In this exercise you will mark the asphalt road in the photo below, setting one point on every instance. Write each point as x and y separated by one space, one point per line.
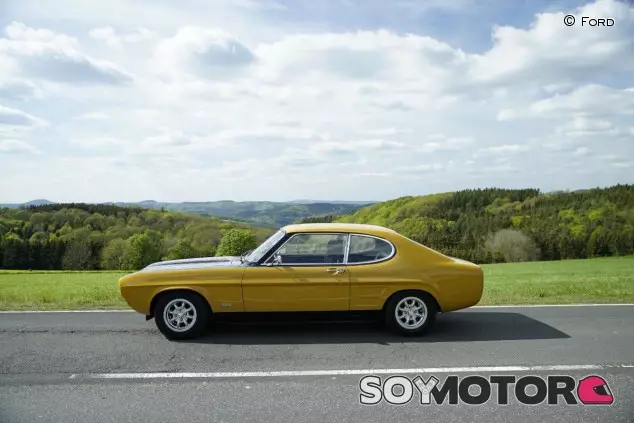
58 367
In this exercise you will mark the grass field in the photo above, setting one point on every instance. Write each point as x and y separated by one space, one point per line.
602 280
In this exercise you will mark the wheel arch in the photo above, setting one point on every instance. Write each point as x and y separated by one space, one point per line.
171 290
419 291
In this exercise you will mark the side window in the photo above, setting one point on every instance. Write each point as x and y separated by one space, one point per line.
366 249
314 249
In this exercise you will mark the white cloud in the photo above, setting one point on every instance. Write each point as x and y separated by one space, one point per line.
110 36
581 151
356 147
19 90
11 146
609 157
167 138
106 34
204 52
625 165
363 56
229 92
271 133
371 175
582 126
504 149
380 144
92 116
550 52
425 168
15 117
592 99
386 132
444 143
98 142
44 54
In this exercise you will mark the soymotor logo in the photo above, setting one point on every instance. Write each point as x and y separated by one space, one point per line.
477 390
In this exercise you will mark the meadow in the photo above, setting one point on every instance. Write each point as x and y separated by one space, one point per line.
599 280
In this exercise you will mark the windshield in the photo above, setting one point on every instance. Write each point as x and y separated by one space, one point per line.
259 252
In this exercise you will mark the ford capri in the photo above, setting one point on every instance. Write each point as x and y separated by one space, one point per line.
318 267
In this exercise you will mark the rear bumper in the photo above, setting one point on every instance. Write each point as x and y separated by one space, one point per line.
136 296
462 291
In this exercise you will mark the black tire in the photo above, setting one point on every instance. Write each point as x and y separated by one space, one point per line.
185 301
395 325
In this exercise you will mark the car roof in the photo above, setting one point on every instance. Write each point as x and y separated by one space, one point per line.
338 227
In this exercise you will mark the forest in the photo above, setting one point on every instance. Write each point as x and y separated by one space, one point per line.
480 225
498 225
108 237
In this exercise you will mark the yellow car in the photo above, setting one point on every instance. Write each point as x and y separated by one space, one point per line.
308 267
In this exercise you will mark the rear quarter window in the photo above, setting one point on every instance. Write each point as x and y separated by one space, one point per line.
366 249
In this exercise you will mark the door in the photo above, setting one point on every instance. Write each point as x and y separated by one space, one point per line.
308 275
372 272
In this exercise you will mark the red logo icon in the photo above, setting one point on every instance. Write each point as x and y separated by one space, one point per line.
594 390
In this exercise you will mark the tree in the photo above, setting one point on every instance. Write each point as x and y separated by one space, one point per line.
512 245
78 256
235 242
113 256
144 250
65 231
182 250
39 237
38 220
14 252
96 221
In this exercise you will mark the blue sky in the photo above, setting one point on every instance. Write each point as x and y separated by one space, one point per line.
339 99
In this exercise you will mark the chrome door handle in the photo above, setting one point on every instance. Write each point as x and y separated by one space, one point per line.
335 271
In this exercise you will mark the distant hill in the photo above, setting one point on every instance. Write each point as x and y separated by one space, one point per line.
28 204
487 225
262 213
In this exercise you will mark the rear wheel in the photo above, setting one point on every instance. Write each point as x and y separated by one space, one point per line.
411 313
181 315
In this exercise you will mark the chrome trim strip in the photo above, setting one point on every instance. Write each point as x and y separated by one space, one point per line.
348 242
392 253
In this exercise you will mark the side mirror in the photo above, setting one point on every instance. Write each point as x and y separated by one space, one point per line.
274 261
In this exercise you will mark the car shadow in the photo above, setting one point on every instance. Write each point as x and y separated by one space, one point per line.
450 327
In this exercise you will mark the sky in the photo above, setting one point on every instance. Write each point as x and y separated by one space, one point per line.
365 100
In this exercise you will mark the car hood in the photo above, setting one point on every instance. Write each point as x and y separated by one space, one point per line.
195 263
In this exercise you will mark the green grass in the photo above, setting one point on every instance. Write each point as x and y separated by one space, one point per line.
603 280
45 290
600 280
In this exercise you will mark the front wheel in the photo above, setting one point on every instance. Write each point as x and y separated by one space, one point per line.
411 313
181 315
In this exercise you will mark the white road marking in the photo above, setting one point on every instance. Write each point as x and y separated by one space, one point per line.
487 306
300 373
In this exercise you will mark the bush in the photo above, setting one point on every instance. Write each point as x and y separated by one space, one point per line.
79 256
512 245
